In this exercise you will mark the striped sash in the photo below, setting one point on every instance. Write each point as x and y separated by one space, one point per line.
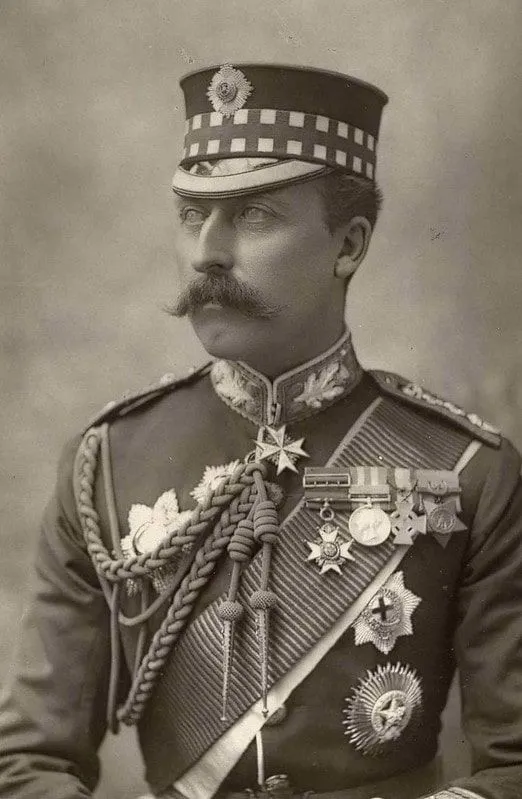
189 694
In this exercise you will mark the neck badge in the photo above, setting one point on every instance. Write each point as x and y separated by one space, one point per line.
381 707
387 616
274 445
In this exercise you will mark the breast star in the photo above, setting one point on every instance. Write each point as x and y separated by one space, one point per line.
280 449
392 714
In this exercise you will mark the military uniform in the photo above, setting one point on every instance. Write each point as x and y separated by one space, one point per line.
275 580
452 598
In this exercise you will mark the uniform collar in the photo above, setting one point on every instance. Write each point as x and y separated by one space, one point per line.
303 391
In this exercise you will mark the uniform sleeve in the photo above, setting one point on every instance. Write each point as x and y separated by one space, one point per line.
52 712
489 636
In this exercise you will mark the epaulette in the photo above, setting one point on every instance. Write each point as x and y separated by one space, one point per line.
412 394
129 402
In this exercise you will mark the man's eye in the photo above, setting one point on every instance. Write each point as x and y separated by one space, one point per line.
193 217
255 214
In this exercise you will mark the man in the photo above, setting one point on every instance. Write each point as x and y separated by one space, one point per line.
273 565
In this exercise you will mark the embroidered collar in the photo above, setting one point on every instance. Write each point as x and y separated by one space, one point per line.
294 395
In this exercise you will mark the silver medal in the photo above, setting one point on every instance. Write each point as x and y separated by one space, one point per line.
369 526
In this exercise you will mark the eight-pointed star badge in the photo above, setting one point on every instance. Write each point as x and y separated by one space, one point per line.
229 90
328 550
387 615
381 706
276 446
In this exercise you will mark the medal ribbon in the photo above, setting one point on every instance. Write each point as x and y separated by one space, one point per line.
185 710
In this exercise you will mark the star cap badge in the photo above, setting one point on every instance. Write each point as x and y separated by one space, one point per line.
387 616
279 448
229 90
381 706
329 553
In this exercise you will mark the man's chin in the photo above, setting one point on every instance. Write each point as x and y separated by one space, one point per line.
226 332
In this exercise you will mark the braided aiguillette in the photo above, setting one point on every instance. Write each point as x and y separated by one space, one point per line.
219 514
240 550
266 528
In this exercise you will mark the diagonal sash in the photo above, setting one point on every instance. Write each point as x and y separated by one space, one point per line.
190 692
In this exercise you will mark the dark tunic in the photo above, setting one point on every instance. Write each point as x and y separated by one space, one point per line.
469 616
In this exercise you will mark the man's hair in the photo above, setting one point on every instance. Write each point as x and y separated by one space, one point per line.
346 196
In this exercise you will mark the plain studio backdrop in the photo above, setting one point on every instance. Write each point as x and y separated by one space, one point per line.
90 132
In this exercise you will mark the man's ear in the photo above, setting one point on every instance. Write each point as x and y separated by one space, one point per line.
357 235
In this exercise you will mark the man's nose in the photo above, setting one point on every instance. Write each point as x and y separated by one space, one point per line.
214 252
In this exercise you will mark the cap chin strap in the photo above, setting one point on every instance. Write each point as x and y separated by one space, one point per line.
270 177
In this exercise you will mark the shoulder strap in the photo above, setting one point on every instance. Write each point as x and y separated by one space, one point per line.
129 402
413 394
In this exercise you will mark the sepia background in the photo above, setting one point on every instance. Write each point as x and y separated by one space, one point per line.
90 132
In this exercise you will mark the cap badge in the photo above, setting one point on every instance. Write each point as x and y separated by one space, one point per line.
229 90
387 616
381 707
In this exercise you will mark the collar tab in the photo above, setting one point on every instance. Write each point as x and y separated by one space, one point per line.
294 395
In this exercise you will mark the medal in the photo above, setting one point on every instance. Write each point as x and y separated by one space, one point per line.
329 550
369 526
279 448
381 706
406 524
387 616
442 520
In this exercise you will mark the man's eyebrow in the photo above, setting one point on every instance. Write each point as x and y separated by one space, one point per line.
269 197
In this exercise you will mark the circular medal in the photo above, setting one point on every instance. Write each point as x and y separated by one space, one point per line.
442 520
369 526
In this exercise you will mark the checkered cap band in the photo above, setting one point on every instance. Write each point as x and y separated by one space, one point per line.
268 132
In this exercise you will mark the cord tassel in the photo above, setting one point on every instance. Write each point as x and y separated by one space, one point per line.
266 528
230 611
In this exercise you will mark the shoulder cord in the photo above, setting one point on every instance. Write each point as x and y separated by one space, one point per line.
232 500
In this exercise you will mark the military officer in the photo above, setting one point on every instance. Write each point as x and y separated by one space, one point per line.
274 565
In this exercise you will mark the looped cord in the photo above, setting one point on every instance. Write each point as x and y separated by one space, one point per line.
227 511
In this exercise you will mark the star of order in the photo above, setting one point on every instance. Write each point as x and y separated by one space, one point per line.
387 616
329 554
279 448
392 715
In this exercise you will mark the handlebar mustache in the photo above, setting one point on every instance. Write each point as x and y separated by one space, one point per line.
225 291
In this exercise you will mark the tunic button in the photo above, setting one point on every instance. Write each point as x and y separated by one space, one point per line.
277 717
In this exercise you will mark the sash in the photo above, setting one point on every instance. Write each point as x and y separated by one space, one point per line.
189 693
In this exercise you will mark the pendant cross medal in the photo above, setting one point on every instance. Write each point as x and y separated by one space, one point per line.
273 444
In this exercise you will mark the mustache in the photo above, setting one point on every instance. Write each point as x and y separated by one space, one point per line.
226 291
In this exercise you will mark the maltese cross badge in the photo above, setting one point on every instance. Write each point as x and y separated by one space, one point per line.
273 444
328 550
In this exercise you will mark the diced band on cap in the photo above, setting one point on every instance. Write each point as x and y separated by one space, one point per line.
283 134
287 113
